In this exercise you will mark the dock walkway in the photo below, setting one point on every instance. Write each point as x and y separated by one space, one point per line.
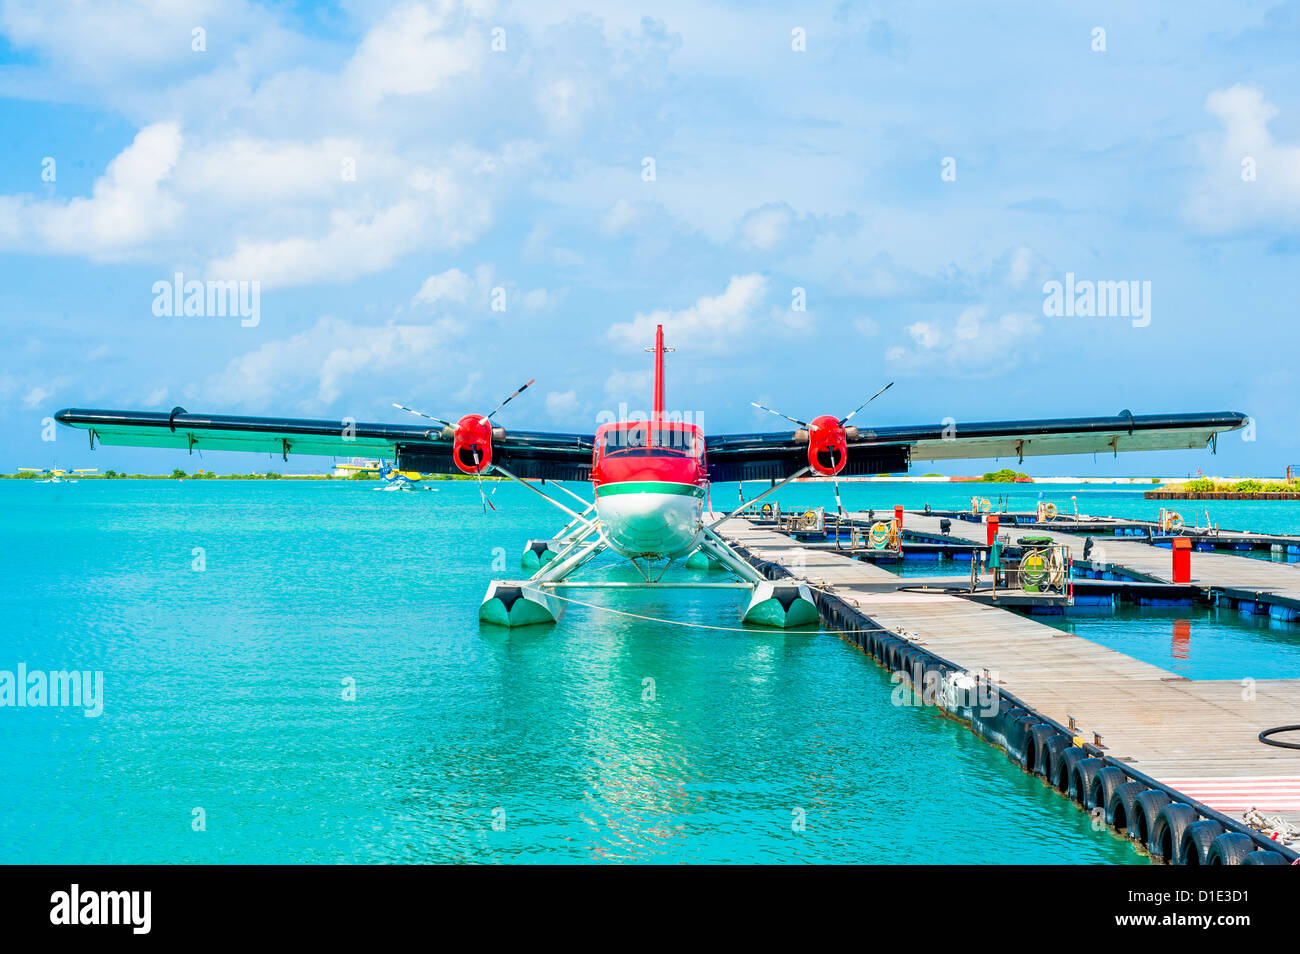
1200 734
1238 576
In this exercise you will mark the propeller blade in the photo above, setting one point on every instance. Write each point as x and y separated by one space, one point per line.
403 407
792 420
845 420
522 389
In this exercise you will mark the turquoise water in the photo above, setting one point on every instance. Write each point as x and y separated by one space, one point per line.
1199 642
224 692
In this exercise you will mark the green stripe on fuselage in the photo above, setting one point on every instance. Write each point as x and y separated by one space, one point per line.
649 487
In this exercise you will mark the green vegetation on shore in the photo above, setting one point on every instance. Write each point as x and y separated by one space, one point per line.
1208 485
1007 476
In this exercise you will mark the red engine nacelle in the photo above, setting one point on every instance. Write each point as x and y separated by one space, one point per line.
828 445
471 449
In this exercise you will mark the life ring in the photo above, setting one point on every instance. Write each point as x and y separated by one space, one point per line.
1171 520
1049 511
1033 571
879 535
766 510
809 520
985 506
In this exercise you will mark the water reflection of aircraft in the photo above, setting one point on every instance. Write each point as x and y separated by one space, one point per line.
650 477
56 474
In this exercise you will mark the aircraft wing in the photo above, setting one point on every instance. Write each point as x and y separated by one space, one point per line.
529 454
890 450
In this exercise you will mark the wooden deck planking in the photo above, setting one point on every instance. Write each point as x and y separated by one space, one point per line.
1163 724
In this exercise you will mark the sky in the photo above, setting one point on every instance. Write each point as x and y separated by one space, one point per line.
435 202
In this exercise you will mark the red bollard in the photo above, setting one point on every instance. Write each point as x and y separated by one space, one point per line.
993 528
1182 560
898 515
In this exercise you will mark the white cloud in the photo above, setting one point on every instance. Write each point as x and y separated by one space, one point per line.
1022 261
865 326
411 52
765 227
969 346
629 385
1223 200
128 207
325 359
36 397
621 216
563 405
713 323
451 285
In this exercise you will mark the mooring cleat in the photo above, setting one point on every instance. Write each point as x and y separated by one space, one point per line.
537 553
512 603
782 604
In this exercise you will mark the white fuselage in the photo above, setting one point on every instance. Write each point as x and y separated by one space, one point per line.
651 519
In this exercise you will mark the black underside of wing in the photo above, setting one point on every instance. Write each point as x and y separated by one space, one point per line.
529 454
777 456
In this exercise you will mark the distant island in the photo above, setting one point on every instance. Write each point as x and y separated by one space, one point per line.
1208 488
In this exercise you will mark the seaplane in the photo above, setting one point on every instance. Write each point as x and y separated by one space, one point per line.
56 476
395 479
649 478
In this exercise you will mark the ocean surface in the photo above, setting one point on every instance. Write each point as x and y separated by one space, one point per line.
234 621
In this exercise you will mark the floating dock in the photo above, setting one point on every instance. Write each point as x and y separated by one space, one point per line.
1169 762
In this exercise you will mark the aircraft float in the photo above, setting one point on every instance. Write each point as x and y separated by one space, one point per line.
649 478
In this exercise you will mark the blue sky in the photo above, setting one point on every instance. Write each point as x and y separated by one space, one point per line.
519 174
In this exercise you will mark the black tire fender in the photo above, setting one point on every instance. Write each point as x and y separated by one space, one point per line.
1038 736
1197 840
1049 756
1063 766
1120 807
1143 815
1167 831
1230 848
1264 857
1081 775
1104 784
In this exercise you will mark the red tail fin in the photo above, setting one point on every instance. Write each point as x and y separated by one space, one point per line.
658 413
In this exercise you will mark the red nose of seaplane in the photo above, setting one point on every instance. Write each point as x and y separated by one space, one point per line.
650 478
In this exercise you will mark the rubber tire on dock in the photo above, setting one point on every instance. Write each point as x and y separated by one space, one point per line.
1063 767
1143 816
1120 807
1038 736
1081 775
1015 733
1103 786
1049 754
1263 857
1230 848
1197 840
1171 824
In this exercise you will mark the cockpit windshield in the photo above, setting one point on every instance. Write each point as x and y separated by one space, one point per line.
642 439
